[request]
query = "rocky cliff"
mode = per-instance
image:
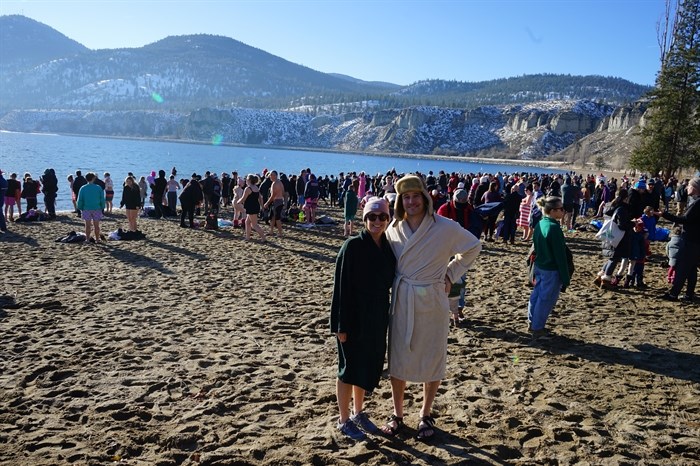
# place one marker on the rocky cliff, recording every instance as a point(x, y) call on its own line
point(613, 140)
point(530, 131)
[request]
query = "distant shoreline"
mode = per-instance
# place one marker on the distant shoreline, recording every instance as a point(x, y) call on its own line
point(551, 164)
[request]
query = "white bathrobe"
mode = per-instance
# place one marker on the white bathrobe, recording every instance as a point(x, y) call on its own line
point(420, 319)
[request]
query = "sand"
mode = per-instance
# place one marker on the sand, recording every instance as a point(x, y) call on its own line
point(197, 347)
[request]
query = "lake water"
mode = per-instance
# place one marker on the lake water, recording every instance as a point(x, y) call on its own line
point(33, 153)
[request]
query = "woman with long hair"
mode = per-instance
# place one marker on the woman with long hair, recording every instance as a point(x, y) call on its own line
point(525, 209)
point(620, 213)
point(252, 201)
point(551, 265)
point(131, 200)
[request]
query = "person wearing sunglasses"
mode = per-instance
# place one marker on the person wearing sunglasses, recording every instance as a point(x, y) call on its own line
point(364, 273)
point(432, 253)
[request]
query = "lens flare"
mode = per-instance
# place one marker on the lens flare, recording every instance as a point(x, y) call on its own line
point(217, 139)
point(157, 97)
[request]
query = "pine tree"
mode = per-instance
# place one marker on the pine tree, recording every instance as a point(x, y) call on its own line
point(671, 138)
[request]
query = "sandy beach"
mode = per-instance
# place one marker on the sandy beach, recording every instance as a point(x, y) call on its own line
point(196, 347)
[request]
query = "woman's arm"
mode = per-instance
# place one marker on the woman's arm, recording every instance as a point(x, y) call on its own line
point(246, 192)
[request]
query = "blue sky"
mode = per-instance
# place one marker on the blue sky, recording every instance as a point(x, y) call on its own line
point(388, 40)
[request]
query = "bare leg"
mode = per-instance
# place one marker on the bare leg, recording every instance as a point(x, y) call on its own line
point(248, 221)
point(358, 399)
point(398, 387)
point(343, 392)
point(97, 229)
point(430, 390)
point(131, 215)
point(88, 229)
point(254, 225)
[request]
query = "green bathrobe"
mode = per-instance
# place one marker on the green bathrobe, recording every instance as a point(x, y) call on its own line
point(360, 308)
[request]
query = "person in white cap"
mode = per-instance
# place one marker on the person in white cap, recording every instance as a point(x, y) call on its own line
point(432, 253)
point(360, 316)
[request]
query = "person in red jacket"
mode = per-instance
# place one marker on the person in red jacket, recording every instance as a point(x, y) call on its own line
point(459, 210)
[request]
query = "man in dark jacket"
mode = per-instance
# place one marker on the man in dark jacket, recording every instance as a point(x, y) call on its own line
point(333, 190)
point(78, 183)
point(689, 253)
point(511, 210)
point(639, 199)
point(49, 186)
point(655, 192)
point(159, 187)
point(190, 196)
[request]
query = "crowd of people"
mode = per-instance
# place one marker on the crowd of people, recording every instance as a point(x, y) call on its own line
point(426, 254)
point(421, 233)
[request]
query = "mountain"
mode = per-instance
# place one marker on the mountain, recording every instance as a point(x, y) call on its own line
point(527, 89)
point(175, 72)
point(388, 86)
point(192, 87)
point(41, 68)
point(25, 43)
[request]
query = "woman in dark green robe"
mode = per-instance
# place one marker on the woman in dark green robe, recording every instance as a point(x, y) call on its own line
point(364, 273)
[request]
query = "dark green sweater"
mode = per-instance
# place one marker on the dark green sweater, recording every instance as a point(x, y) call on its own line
point(550, 248)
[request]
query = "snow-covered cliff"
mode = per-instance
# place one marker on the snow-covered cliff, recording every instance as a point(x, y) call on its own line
point(523, 131)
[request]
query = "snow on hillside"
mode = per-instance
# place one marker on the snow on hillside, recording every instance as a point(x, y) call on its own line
point(529, 131)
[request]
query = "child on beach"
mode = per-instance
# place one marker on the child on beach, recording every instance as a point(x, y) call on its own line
point(673, 248)
point(650, 220)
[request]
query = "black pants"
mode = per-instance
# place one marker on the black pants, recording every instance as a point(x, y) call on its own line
point(187, 210)
point(158, 205)
point(509, 228)
point(50, 203)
